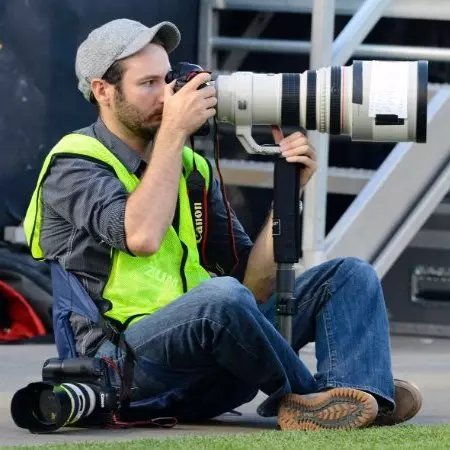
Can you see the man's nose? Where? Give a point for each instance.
(161, 96)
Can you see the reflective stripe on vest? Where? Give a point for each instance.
(136, 285)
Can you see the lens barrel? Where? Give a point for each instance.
(44, 407)
(368, 101)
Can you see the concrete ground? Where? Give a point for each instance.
(424, 361)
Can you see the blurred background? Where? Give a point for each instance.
(39, 103)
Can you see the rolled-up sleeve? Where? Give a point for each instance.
(89, 196)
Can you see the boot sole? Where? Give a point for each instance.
(339, 408)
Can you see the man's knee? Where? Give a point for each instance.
(341, 268)
(228, 292)
(359, 268)
(361, 275)
(347, 269)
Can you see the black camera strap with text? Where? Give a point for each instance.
(198, 199)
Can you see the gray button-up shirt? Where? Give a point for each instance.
(84, 210)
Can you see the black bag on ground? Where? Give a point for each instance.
(31, 281)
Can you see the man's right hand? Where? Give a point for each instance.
(188, 109)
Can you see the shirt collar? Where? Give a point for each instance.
(131, 160)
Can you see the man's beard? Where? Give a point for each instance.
(133, 119)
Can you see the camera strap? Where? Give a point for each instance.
(198, 199)
(124, 412)
(233, 251)
(127, 374)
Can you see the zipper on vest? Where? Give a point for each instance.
(182, 265)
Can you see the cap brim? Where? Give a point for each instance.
(166, 31)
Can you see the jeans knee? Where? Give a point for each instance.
(229, 293)
(362, 273)
(360, 266)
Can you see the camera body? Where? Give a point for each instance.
(80, 370)
(183, 72)
(73, 392)
(92, 372)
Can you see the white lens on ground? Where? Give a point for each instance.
(86, 400)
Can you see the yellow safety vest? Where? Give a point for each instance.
(136, 286)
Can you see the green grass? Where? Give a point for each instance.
(399, 437)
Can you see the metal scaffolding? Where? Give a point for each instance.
(365, 13)
(401, 212)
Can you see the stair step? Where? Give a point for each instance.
(260, 174)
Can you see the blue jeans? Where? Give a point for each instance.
(212, 349)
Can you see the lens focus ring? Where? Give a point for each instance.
(335, 101)
(290, 99)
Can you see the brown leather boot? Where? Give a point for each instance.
(408, 401)
(338, 408)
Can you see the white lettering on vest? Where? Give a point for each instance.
(198, 219)
(162, 277)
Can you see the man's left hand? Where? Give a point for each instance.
(297, 149)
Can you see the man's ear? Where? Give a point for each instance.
(102, 91)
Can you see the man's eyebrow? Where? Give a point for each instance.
(150, 76)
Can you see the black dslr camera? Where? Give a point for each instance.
(73, 392)
(183, 72)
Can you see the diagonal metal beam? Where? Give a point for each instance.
(255, 28)
(394, 191)
(357, 29)
(412, 225)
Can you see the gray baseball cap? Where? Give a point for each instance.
(116, 40)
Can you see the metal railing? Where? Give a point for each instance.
(385, 245)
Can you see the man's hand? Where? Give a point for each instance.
(297, 149)
(188, 109)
